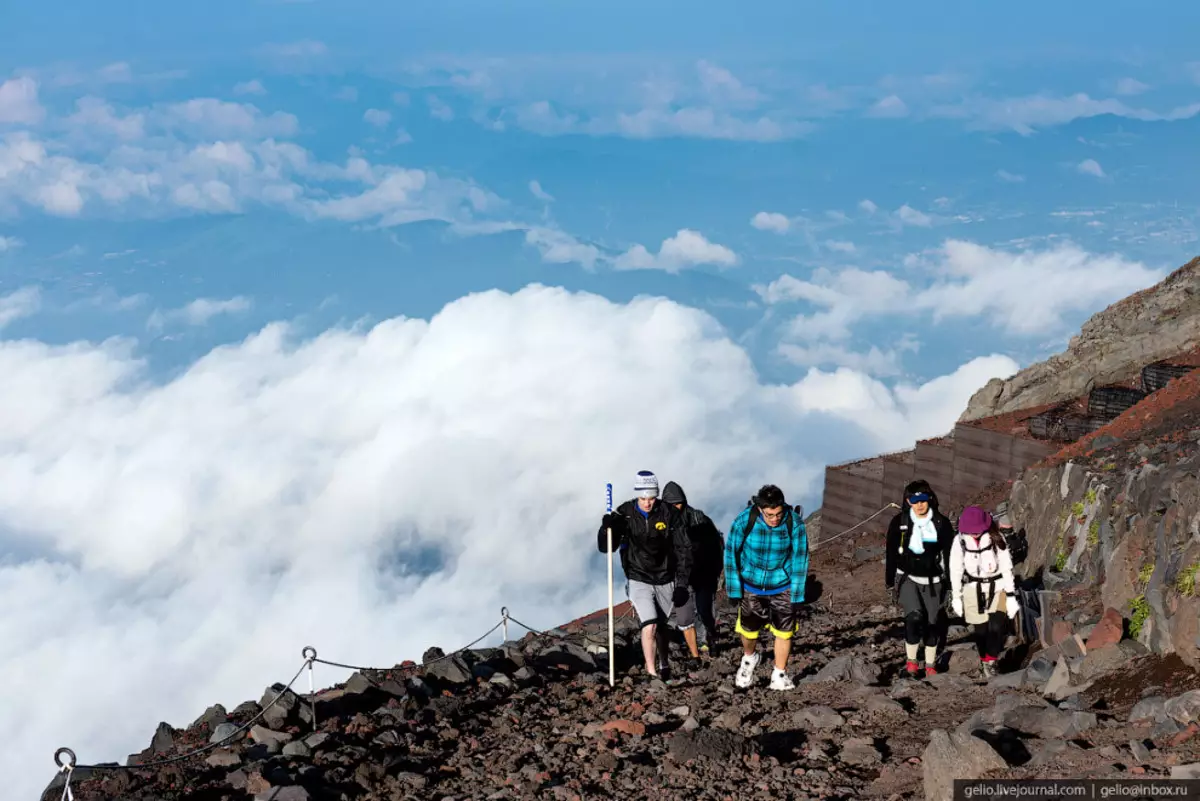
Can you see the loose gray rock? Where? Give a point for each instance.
(222, 758)
(859, 751)
(1151, 709)
(1047, 722)
(222, 731)
(1191, 771)
(273, 740)
(1141, 753)
(885, 707)
(954, 755)
(164, 739)
(846, 668)
(296, 748)
(292, 792)
(818, 717)
(709, 743)
(213, 717)
(1184, 708)
(451, 671)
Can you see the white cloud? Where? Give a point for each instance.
(23, 302)
(850, 395)
(839, 246)
(280, 493)
(874, 361)
(723, 87)
(889, 107)
(1131, 86)
(687, 248)
(771, 221)
(963, 280)
(198, 313)
(9, 243)
(377, 117)
(845, 297)
(19, 102)
(1009, 177)
(209, 117)
(92, 115)
(1090, 167)
(868, 206)
(989, 284)
(535, 188)
(558, 247)
(438, 109)
(347, 93)
(656, 122)
(305, 48)
(253, 87)
(229, 177)
(1027, 114)
(910, 216)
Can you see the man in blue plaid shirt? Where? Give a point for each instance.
(766, 567)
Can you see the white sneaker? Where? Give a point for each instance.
(745, 673)
(780, 680)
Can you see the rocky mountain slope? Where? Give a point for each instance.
(1114, 344)
(537, 719)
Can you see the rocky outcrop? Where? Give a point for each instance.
(1113, 345)
(1122, 526)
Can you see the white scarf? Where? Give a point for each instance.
(923, 531)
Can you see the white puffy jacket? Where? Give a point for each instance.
(977, 557)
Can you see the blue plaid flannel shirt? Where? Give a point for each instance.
(770, 561)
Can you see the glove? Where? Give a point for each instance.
(956, 606)
(680, 596)
(1013, 604)
(612, 520)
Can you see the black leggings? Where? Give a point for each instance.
(992, 634)
(917, 628)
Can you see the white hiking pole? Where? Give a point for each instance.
(612, 660)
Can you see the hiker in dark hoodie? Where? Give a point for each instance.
(708, 558)
(917, 568)
(657, 559)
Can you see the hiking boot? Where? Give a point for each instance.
(987, 670)
(912, 668)
(930, 671)
(780, 680)
(745, 672)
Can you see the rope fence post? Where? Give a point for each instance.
(68, 767)
(309, 653)
(504, 622)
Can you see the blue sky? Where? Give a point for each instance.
(290, 289)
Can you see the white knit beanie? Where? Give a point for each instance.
(645, 484)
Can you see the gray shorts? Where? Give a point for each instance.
(653, 604)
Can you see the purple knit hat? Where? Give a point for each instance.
(974, 520)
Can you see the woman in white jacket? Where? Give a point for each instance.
(981, 576)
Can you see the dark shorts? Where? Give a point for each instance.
(774, 612)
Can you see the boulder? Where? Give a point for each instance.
(955, 755)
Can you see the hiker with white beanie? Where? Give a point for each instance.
(656, 557)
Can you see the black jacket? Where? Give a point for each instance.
(654, 549)
(708, 544)
(934, 562)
